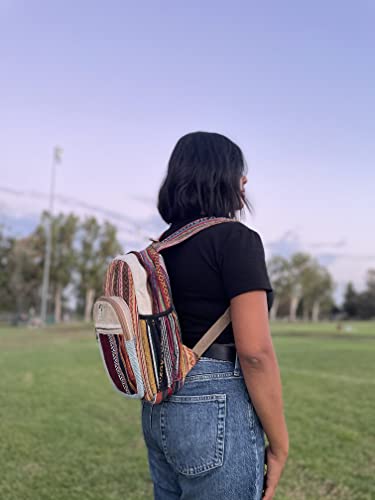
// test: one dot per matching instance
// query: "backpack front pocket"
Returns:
(158, 333)
(166, 358)
(117, 345)
(193, 432)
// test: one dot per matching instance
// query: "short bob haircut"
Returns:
(203, 179)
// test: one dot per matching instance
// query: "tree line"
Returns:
(302, 287)
(82, 249)
(361, 305)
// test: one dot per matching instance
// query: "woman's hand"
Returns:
(275, 465)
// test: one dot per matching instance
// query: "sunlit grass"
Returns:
(66, 435)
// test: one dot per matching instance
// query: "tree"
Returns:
(6, 294)
(370, 281)
(361, 305)
(321, 292)
(25, 274)
(351, 300)
(64, 257)
(279, 272)
(298, 264)
(317, 287)
(366, 299)
(97, 245)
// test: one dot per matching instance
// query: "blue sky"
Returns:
(116, 83)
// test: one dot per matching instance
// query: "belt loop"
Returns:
(237, 368)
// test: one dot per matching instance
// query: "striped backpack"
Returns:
(137, 327)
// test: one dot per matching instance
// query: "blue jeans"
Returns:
(206, 442)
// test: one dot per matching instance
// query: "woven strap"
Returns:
(189, 230)
(212, 333)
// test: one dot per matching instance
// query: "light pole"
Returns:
(57, 153)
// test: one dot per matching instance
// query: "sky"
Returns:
(116, 83)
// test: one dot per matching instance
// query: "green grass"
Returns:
(348, 328)
(66, 435)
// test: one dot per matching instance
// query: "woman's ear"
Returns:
(243, 182)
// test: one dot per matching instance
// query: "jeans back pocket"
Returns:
(193, 432)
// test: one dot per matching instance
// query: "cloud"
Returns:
(291, 242)
(29, 204)
(18, 226)
(332, 244)
(332, 257)
(326, 259)
(20, 212)
(147, 200)
(286, 245)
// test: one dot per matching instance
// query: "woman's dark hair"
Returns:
(203, 178)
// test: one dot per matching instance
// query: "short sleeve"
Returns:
(243, 265)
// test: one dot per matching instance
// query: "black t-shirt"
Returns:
(209, 269)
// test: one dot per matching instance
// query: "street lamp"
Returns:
(56, 159)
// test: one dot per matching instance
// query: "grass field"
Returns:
(66, 435)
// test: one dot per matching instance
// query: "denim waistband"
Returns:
(206, 366)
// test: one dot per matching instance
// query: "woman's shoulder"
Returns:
(237, 230)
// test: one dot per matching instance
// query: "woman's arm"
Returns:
(258, 361)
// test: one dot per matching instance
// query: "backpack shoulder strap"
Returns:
(189, 230)
(212, 333)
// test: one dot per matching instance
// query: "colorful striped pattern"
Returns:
(155, 364)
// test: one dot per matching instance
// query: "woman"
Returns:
(207, 441)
